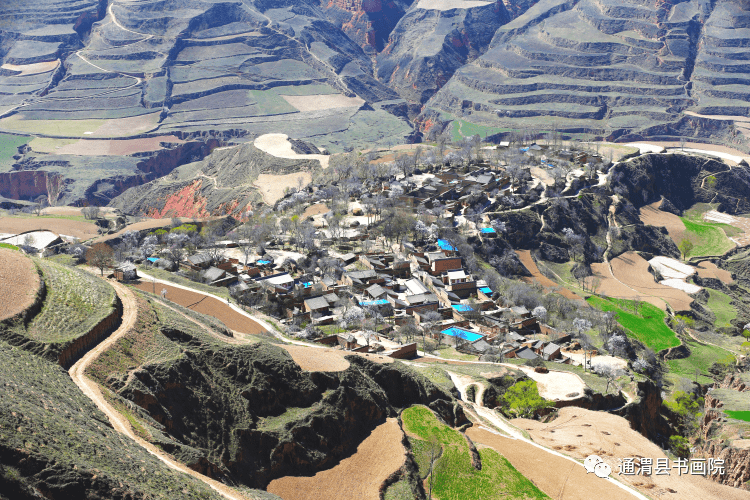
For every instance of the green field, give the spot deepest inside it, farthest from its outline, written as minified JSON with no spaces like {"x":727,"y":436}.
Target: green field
{"x":271,"y":103}
{"x":721,"y":305}
{"x":9,"y":146}
{"x":707,"y":238}
{"x":76,"y":302}
{"x":739,"y":415}
{"x":463,"y":129}
{"x":8,"y":246}
{"x":454,"y":477}
{"x":647,"y":326}
{"x":701,"y":358}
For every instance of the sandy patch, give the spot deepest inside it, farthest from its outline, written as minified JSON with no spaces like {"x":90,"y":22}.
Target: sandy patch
{"x":358,"y":476}
{"x":75,"y":228}
{"x":123,"y":127}
{"x":707,"y":269}
{"x":111,"y":147}
{"x":205,"y":305}
{"x":278,"y":145}
{"x":650,"y":215}
{"x":19,"y":283}
{"x":632,"y":270}
{"x":580,"y":433}
{"x":561,"y":479}
{"x":272,"y":187}
{"x":33,"y":69}
{"x":741,"y":443}
{"x":555,"y":385}
{"x":322,"y":101}
{"x":525,"y":257}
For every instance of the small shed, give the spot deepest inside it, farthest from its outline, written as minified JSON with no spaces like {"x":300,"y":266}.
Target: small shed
{"x":126,"y":272}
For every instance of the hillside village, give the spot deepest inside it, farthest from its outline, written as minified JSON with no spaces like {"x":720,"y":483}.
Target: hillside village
{"x":397,"y":290}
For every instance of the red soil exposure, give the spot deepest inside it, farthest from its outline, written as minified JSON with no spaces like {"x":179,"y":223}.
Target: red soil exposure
{"x":205,"y":305}
{"x":356,"y":477}
{"x":525,"y":257}
{"x":19,"y":283}
{"x":185,"y":203}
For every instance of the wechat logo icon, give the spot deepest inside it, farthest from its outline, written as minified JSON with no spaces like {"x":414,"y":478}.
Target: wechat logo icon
{"x":595,"y":464}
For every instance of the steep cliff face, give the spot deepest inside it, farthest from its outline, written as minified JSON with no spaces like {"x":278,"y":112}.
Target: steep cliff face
{"x":251,"y":414}
{"x":723,"y":439}
{"x":644,"y":415}
{"x":367,"y":22}
{"x":429,"y":44}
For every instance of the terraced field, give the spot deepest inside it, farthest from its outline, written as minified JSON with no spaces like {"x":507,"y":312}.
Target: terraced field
{"x":19,"y":282}
{"x":76,"y":301}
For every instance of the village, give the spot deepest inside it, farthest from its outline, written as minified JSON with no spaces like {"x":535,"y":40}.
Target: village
{"x":381,"y":272}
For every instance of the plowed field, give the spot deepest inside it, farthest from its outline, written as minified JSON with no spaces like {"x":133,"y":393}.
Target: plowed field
{"x":580,"y":433}
{"x":652,"y":216}
{"x":19,"y":282}
{"x":708,"y":269}
{"x":525,"y":257}
{"x":205,"y":305}
{"x":632,"y":269}
{"x":356,"y":477}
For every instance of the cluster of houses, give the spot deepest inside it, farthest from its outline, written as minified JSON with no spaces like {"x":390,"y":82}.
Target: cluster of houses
{"x":425,"y":286}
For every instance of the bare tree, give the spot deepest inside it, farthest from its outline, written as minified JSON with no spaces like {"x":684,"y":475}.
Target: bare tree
{"x":91,"y":212}
{"x":100,"y":256}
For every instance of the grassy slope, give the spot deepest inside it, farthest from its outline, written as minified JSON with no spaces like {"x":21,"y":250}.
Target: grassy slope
{"x":75,"y":299}
{"x":708,"y":238}
{"x":721,"y":305}
{"x":647,"y":326}
{"x":44,"y":414}
{"x":455,"y":477}
{"x":701,"y":358}
{"x":146,"y":343}
{"x":9,"y":147}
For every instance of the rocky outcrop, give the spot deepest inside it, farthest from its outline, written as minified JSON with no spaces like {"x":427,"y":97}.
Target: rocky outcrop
{"x":220,"y":405}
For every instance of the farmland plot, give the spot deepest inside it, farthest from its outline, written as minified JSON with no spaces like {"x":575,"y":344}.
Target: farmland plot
{"x":19,"y":282}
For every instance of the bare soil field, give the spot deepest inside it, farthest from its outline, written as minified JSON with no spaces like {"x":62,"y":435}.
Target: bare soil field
{"x":33,"y":69}
{"x":610,"y":287}
{"x":652,"y":216}
{"x":707,"y":269}
{"x":569,"y":481}
{"x":358,"y":476}
{"x":272,"y":187}
{"x":632,"y":269}
{"x":525,"y":257}
{"x":317,"y":209}
{"x":111,"y":147}
{"x":278,"y":145}
{"x":322,"y":101}
{"x":205,"y":305}
{"x":543,"y":175}
{"x":312,"y":359}
{"x":123,"y":127}
{"x":19,"y":282}
{"x":580,"y":433}
{"x":82,"y":230}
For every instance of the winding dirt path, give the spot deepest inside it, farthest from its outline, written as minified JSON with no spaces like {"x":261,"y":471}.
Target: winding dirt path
{"x":119,"y":423}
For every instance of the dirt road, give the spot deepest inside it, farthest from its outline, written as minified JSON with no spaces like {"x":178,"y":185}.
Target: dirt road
{"x":91,"y":390}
